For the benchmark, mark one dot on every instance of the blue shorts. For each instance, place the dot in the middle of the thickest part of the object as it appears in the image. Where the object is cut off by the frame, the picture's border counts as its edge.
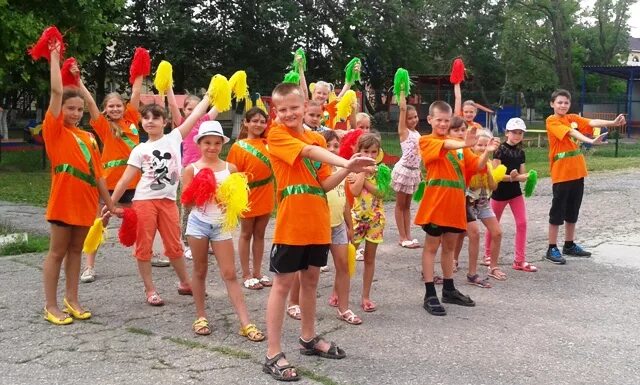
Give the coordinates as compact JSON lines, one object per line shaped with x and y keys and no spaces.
{"x":199,"y":229}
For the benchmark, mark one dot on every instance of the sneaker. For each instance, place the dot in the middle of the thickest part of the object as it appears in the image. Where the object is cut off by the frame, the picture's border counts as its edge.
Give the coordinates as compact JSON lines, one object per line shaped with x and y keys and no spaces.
{"x":160,"y":261}
{"x":555,"y":256}
{"x":187,"y":253}
{"x":456,"y":298}
{"x":575,"y":251}
{"x":88,"y":275}
{"x":324,"y":268}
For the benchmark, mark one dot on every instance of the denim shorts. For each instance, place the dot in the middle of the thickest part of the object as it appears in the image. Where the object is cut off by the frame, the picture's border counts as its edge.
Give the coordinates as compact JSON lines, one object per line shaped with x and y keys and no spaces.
{"x":199,"y":229}
{"x":339,"y":234}
{"x":482,"y":210}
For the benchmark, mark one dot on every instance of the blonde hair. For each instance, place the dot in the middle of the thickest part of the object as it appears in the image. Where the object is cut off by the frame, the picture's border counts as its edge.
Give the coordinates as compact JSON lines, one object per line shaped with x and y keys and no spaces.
{"x":470,"y":103}
{"x":322,"y":83}
{"x":484,"y":133}
{"x":360,"y":116}
{"x":367,"y":140}
{"x":189,"y":99}
{"x":116,"y":130}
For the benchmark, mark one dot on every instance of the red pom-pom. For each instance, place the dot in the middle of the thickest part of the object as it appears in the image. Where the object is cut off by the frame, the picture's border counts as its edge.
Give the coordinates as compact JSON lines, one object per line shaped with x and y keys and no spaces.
{"x":457,"y":72}
{"x":129,"y":229}
{"x":201,"y":189}
{"x":41,"y":48}
{"x":348,"y":143}
{"x":140,"y":65}
{"x":68,"y":79}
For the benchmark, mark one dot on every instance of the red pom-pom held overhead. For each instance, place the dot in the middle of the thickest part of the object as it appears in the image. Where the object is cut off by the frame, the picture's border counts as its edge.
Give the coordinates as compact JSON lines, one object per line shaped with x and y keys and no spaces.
{"x":41,"y":47}
{"x":140,"y":65}
{"x":201,"y":189}
{"x":457,"y":72}
{"x":129,"y":228}
{"x":348,"y":143}
{"x":68,"y":78}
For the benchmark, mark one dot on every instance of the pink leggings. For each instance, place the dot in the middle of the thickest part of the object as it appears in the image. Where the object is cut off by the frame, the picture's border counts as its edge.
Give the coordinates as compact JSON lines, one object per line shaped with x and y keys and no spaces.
{"x":520,"y":215}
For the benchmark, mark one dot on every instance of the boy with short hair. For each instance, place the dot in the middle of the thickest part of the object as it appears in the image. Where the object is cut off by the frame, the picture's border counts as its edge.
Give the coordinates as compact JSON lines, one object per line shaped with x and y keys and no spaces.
{"x":568,"y":169}
{"x":302,"y":204}
{"x":442,"y":211}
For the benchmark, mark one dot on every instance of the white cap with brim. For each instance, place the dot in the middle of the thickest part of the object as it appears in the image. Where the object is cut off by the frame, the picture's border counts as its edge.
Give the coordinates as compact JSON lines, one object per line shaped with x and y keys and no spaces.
{"x":210,"y":128}
{"x":516,"y":124}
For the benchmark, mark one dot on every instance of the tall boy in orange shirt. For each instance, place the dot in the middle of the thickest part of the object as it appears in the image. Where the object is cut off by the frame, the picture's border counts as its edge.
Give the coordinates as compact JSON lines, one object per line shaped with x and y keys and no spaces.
{"x":442,"y":211}
{"x":302,"y":205}
{"x":568,"y":169}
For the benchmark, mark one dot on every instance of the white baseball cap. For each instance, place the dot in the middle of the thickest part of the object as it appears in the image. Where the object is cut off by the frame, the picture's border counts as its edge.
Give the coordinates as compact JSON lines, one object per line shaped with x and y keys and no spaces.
{"x":210,"y":127}
{"x":516,"y":124}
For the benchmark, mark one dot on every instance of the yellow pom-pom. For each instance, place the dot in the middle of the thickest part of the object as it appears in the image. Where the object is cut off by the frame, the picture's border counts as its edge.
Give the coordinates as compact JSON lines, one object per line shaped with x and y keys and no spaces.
{"x":312,"y":87}
{"x":238,"y":84}
{"x":248,"y":104}
{"x":94,"y":238}
{"x":260,"y":105}
{"x":351,"y":259}
{"x":220,"y":93}
{"x":344,"y":105}
{"x":498,"y":173}
{"x":164,"y":77}
{"x":233,"y":195}
{"x":332,"y":96}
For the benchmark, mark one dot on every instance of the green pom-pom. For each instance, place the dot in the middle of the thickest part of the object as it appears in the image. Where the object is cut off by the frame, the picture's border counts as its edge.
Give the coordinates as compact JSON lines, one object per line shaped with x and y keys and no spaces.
{"x":303,"y":63}
{"x":417,"y":196}
{"x":292,"y":77}
{"x":383,"y":179}
{"x":351,"y":75}
{"x":530,"y":184}
{"x":401,"y":82}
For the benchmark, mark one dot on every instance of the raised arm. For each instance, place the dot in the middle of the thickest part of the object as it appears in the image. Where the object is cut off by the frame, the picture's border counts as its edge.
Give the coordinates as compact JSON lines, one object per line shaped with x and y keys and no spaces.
{"x":403,"y":131}
{"x":618,"y":121}
{"x":94,"y":111}
{"x":55,"y":101}
{"x":176,"y":116}
{"x":457,"y":105}
{"x":579,"y":136}
{"x":303,"y":80}
{"x":197,"y":113}
{"x":136,"y":90}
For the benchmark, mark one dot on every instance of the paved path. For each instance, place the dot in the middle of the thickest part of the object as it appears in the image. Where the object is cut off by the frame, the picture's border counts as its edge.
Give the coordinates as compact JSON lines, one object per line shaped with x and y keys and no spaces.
{"x":571,"y":324}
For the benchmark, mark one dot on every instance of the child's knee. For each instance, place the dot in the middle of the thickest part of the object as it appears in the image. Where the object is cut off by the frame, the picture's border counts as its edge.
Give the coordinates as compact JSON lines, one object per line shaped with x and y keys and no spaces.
{"x":497,"y":234}
{"x":228,"y":274}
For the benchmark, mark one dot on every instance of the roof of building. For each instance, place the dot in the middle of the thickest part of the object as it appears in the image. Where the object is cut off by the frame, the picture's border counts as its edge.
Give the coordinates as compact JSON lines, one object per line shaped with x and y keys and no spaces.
{"x":622,"y":72}
{"x":634,"y":43}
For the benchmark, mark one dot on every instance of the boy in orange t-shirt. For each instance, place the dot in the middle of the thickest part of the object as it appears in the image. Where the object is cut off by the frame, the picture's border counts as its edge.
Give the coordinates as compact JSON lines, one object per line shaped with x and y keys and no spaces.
{"x":302,"y":204}
{"x":442,"y":211}
{"x":568,"y":169}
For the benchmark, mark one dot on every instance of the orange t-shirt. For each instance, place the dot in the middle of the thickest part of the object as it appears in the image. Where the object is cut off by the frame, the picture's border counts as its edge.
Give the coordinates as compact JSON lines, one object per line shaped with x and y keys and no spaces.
{"x":303,"y":211}
{"x":566,"y":161}
{"x":252,"y":157}
{"x":72,"y":200}
{"x":444,"y":205}
{"x":116,"y":150}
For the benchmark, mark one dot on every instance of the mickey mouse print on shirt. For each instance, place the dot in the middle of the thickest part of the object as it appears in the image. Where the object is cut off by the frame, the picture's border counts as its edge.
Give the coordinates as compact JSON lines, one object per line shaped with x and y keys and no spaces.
{"x":160,"y":168}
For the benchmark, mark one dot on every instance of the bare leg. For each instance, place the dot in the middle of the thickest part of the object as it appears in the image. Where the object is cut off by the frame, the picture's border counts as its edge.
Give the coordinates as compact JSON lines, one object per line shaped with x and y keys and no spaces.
{"x":342,"y":281}
{"x":473,"y":231}
{"x":407,"y":215}
{"x":448,"y":247}
{"x":223,"y":250}
{"x":144,"y":268}
{"x":429,"y":251}
{"x":494,"y":228}
{"x":553,"y":234}
{"x":259,"y":229}
{"x":244,"y":242}
{"x":199,"y":251}
{"x":275,"y":311}
{"x":60,"y":241}
{"x":369,"y":269}
{"x":294,"y":294}
{"x":569,"y":232}
{"x":399,"y":212}
{"x":72,"y":265}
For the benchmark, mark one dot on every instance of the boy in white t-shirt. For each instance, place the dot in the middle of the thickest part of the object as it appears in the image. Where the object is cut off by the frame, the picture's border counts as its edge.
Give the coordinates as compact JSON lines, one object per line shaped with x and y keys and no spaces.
{"x":159,"y":161}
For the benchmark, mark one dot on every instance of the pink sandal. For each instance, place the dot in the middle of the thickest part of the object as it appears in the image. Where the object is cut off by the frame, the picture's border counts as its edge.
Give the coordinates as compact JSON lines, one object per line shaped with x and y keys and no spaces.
{"x":333,"y":301}
{"x":524,"y":266}
{"x":154,"y":299}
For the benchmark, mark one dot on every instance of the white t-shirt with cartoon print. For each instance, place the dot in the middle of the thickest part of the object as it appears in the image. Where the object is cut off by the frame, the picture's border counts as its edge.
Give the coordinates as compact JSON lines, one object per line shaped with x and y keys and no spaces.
{"x":159,"y":161}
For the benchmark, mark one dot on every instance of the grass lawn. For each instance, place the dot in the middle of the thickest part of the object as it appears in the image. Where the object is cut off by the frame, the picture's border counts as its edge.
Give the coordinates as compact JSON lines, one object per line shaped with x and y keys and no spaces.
{"x":34,"y":244}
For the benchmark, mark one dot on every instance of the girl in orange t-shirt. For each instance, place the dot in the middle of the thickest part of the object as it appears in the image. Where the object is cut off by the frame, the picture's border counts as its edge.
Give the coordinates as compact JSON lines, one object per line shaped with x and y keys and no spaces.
{"x":117,"y":128}
{"x":76,"y":183}
{"x":250,"y":155}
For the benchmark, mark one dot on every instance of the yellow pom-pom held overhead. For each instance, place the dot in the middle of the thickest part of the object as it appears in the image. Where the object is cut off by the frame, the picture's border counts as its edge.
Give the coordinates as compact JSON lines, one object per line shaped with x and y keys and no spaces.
{"x":164,"y":77}
{"x":94,"y":238}
{"x":238,"y":84}
{"x":344,"y":105}
{"x":260,"y":105}
{"x":220,"y":93}
{"x":233,"y":195}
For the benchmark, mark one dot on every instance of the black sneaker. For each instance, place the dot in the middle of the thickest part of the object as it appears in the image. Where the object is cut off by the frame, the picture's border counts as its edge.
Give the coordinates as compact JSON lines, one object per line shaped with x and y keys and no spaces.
{"x":433,"y":306}
{"x":553,"y":255}
{"x":456,"y":298}
{"x":575,"y":251}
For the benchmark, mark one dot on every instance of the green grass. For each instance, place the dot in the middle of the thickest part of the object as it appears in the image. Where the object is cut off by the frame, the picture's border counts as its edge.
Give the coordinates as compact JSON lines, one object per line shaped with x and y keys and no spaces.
{"x":34,"y":243}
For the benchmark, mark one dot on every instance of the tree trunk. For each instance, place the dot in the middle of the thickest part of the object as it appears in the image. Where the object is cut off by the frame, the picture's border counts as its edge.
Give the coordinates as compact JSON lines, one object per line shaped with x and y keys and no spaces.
{"x":562,"y":46}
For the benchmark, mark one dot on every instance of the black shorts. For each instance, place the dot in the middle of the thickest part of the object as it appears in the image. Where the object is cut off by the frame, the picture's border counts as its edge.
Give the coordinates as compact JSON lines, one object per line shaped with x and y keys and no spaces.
{"x":289,"y":259}
{"x":436,"y":231}
{"x":59,"y":223}
{"x":126,"y":198}
{"x":567,"y":199}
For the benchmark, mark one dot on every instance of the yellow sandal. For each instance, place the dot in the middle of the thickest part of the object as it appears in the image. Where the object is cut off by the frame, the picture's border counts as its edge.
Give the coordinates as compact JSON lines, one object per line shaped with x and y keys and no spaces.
{"x":252,"y":333}
{"x":55,"y":320}
{"x":201,"y":327}
{"x":74,"y":313}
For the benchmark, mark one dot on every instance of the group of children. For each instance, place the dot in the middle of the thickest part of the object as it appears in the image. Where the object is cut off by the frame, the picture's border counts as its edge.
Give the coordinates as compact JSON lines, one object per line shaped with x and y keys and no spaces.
{"x":295,"y":162}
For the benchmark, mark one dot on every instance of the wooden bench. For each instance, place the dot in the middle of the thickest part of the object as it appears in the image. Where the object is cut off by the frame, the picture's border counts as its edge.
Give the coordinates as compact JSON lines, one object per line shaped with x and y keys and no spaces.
{"x":538,"y":139}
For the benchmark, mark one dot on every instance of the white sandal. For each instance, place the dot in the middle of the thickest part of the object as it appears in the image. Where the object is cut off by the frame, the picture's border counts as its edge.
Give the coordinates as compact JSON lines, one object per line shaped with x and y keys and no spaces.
{"x":253,"y":284}
{"x":349,"y":317}
{"x":294,"y":312}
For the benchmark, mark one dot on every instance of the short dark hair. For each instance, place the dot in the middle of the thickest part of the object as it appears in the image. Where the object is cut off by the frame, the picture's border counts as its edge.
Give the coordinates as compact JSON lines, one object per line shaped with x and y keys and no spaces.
{"x":71,"y":92}
{"x":284,"y":89}
{"x":457,"y":122}
{"x":440,"y":106}
{"x":367,"y":140}
{"x":560,"y":92}
{"x":154,"y":109}
{"x":330,"y":135}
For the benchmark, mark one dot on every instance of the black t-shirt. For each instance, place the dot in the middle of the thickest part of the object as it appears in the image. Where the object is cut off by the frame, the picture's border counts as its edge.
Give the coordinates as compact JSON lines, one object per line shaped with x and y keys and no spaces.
{"x":512,"y":157}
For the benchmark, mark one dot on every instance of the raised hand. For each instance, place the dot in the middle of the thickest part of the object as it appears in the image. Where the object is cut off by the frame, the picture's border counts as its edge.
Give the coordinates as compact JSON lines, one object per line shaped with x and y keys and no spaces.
{"x":359,"y":163}
{"x":600,"y":138}
{"x":493,"y":145}
{"x":620,"y":120}
{"x":513,"y":174}
{"x":471,"y":137}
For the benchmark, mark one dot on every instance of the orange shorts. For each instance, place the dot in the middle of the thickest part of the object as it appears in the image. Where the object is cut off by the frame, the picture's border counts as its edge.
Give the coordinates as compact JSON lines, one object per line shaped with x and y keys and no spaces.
{"x":161,"y":215}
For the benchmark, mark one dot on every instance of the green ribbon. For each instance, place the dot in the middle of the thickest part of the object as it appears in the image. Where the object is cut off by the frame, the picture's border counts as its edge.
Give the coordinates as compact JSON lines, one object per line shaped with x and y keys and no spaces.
{"x":130,"y":143}
{"x":115,"y":163}
{"x":566,"y":154}
{"x":459,"y":184}
{"x":310,"y":167}
{"x":69,"y":169}
{"x":296,"y":189}
{"x":87,"y":157}
{"x":133,"y":129}
{"x":261,"y":182}
{"x":255,"y":152}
